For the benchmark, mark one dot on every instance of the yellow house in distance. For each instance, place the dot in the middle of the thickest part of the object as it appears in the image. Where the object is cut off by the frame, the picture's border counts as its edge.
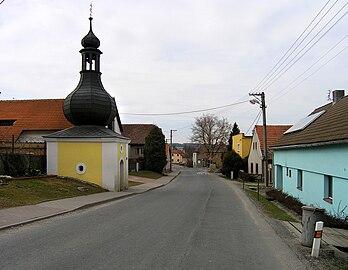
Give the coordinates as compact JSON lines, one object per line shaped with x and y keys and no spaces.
{"x":241,"y":144}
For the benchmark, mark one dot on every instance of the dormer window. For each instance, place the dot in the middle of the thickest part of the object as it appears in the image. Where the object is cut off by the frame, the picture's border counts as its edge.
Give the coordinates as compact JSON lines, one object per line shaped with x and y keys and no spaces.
{"x":7,"y":123}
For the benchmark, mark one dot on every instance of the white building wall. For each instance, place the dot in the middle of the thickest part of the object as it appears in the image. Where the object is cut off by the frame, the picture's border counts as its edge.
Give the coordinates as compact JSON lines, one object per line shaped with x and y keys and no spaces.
{"x":194,"y":159}
{"x":255,"y":155}
{"x":52,"y":158}
{"x":110,"y":166}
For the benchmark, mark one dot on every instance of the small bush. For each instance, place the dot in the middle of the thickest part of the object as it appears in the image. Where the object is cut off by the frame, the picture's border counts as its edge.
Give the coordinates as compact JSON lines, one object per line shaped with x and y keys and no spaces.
{"x":286,"y":200}
{"x":335,"y":221}
{"x":231,"y":162}
{"x":13,"y":165}
{"x":155,"y":151}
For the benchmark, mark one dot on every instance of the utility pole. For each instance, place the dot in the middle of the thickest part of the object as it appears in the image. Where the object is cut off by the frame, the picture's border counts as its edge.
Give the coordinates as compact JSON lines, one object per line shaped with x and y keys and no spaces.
{"x":262,"y":103}
{"x":171,"y":148}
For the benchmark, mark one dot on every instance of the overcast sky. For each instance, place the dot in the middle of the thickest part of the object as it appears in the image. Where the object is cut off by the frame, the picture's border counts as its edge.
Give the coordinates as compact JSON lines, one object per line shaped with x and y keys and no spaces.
{"x":169,"y":56}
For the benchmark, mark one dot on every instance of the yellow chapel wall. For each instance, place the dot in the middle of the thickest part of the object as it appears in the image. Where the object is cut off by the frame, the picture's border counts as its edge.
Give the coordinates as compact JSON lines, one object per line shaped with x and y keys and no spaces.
{"x":71,"y":154}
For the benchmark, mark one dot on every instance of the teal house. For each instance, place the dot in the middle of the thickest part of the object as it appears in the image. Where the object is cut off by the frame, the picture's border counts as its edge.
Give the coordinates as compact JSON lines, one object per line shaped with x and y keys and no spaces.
{"x":311,"y":159}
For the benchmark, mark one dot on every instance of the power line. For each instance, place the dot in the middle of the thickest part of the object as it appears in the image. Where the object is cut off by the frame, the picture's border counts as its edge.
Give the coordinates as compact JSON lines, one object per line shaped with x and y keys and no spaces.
{"x":270,"y":73}
{"x":310,"y":67}
{"x":256,"y":120}
{"x":187,"y":112}
{"x":312,"y":73}
{"x":180,"y":128}
{"x":270,"y":79}
{"x":287,"y":67}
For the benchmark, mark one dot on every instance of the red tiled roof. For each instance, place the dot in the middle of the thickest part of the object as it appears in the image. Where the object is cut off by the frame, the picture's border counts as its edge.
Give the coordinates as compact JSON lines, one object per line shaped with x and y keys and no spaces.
{"x":137,"y":132}
{"x":179,"y":152}
{"x":31,"y":115}
{"x":274,"y":133}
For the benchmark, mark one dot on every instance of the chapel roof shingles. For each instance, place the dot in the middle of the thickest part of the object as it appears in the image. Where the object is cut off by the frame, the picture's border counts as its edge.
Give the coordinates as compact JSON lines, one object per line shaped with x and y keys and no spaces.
{"x":31,"y":115}
{"x":331,"y":126}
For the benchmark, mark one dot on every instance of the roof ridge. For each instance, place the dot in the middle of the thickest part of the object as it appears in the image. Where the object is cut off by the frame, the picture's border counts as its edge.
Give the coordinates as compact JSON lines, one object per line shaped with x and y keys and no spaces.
{"x":275,"y":125}
{"x":140,"y":124}
{"x":16,"y":100}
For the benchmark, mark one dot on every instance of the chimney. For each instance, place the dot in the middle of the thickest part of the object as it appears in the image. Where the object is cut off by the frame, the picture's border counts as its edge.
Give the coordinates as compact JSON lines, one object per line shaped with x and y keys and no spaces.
{"x":337,"y":95}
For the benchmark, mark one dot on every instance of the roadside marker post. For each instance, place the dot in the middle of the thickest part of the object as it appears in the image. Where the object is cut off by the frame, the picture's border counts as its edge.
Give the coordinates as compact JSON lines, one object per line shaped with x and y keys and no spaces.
{"x":317,"y":237}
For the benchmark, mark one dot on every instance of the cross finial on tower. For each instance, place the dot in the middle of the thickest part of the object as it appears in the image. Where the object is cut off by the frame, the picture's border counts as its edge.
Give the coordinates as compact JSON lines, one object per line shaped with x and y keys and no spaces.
{"x":90,"y":10}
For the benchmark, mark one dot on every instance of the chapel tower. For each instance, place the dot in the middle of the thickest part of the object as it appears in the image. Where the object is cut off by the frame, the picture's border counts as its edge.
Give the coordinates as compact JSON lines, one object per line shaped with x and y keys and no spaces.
{"x":90,"y":151}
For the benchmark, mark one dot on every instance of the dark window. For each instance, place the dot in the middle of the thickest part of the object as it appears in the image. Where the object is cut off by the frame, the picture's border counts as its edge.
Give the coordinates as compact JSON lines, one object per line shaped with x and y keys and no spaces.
{"x":7,"y":123}
{"x":299,"y":179}
{"x":328,"y":188}
{"x":257,"y":168}
{"x":252,"y":168}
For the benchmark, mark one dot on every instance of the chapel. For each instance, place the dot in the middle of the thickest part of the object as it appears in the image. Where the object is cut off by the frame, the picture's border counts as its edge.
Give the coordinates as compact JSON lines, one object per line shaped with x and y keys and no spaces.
{"x":93,"y":150}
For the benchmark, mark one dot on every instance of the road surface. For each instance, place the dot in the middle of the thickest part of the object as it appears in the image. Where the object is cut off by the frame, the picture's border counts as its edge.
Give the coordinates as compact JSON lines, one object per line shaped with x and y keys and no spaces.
{"x":196,"y":222}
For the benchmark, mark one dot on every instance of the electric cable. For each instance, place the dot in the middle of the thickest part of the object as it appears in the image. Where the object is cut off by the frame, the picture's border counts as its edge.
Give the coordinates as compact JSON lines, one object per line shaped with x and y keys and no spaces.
{"x":287,"y":67}
{"x":270,"y":73}
{"x":312,"y":73}
{"x":311,"y":66}
{"x":188,"y":112}
{"x":256,"y":120}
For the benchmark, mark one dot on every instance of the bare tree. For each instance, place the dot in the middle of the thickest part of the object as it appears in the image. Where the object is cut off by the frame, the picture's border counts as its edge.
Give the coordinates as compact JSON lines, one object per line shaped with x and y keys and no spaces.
{"x":211,"y":132}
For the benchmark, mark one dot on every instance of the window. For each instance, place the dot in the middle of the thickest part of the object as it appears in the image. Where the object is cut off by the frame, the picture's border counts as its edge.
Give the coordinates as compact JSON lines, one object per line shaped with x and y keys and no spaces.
{"x":254,"y":145}
{"x":238,"y":147}
{"x":279,"y":174}
{"x":140,"y":151}
{"x":7,"y":123}
{"x":290,"y":173}
{"x":251,"y":168}
{"x":257,"y":168}
{"x":80,"y":168}
{"x":299,"y":179}
{"x":328,"y":188}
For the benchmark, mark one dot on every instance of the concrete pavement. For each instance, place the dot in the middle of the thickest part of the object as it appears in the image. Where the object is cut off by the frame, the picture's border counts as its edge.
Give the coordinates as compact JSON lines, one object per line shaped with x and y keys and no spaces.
{"x":333,"y":239}
{"x":16,"y":216}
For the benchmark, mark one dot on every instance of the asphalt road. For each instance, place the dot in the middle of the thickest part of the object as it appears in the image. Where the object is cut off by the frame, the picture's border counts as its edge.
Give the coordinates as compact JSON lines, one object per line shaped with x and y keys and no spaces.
{"x":196,"y":222}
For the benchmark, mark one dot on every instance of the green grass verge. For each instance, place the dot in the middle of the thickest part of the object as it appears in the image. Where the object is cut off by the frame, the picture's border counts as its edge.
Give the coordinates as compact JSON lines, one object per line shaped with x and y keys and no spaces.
{"x":270,"y":208}
{"x":33,"y":191}
{"x":147,"y":174}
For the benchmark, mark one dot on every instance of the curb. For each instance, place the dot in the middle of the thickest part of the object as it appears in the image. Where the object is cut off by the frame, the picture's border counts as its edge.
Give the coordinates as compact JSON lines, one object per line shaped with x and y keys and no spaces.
{"x":86,"y":206}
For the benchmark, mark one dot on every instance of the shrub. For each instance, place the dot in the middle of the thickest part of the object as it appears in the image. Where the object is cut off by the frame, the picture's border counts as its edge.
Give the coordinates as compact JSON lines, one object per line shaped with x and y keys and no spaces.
{"x":231,"y":162}
{"x":154,"y":150}
{"x":13,"y":165}
{"x":336,"y":221}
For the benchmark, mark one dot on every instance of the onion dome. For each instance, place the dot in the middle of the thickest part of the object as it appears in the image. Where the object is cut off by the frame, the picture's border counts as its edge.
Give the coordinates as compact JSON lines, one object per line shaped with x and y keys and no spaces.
{"x":89,"y":103}
{"x":90,"y":40}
